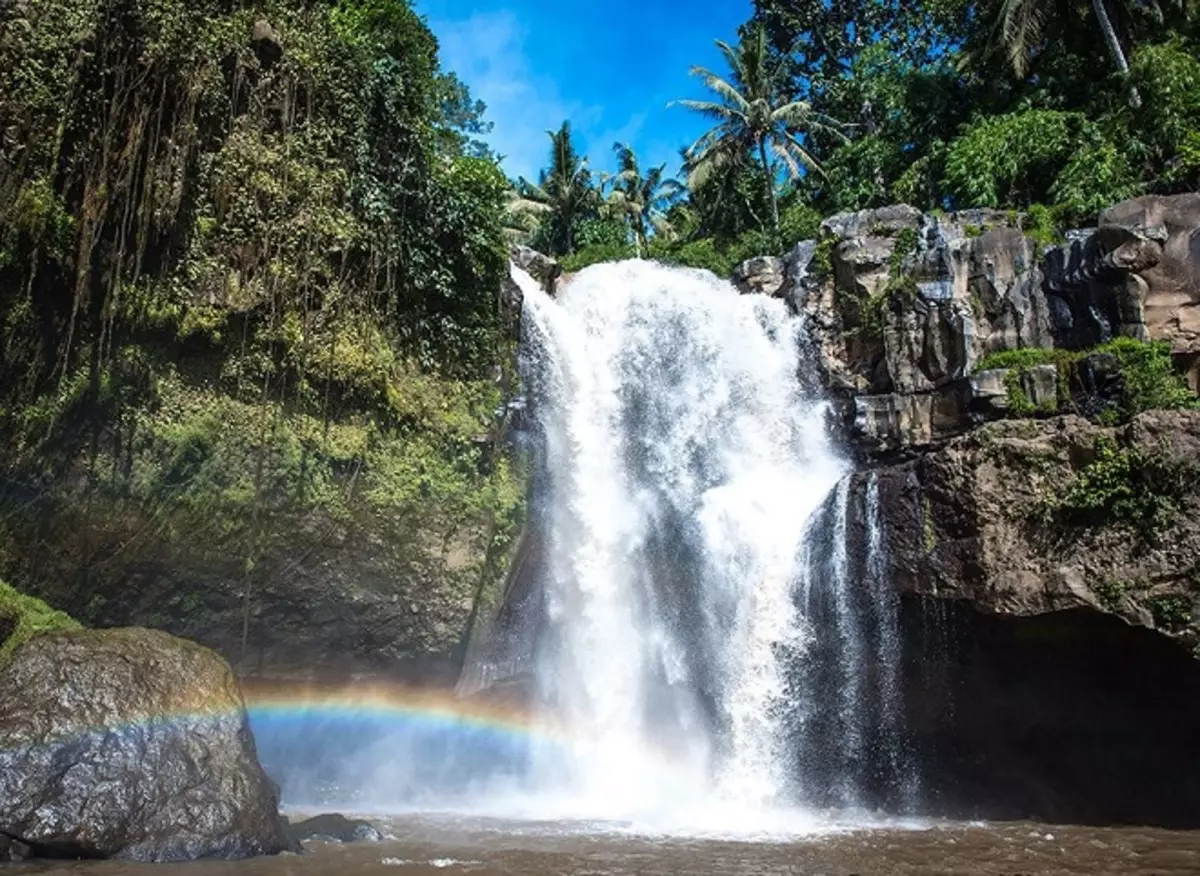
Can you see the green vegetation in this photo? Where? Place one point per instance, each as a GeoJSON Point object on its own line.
{"type": "Point", "coordinates": [1110, 593]}
{"type": "Point", "coordinates": [1172, 613]}
{"type": "Point", "coordinates": [961, 103]}
{"type": "Point", "coordinates": [249, 262]}
{"type": "Point", "coordinates": [1126, 487]}
{"type": "Point", "coordinates": [942, 104]}
{"type": "Point", "coordinates": [755, 114]}
{"type": "Point", "coordinates": [23, 617]}
{"type": "Point", "coordinates": [1150, 380]}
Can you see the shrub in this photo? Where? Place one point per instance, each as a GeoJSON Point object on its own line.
{"type": "Point", "coordinates": [595, 254]}
{"type": "Point", "coordinates": [1151, 381]}
{"type": "Point", "coordinates": [1010, 160]}
{"type": "Point", "coordinates": [1147, 369]}
{"type": "Point", "coordinates": [1130, 487]}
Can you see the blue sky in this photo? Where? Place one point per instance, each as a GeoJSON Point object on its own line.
{"type": "Point", "coordinates": [609, 67]}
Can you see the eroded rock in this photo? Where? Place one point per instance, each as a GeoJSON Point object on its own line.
{"type": "Point", "coordinates": [974, 521]}
{"type": "Point", "coordinates": [130, 744]}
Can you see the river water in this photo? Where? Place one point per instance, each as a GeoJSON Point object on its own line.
{"type": "Point", "coordinates": [444, 845]}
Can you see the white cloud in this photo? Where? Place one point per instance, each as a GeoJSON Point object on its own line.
{"type": "Point", "coordinates": [488, 52]}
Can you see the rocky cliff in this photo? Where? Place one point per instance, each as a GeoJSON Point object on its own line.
{"type": "Point", "coordinates": [904, 308]}
{"type": "Point", "coordinates": [1024, 409]}
{"type": "Point", "coordinates": [1003, 392]}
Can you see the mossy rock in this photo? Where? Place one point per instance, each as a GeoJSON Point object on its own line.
{"type": "Point", "coordinates": [23, 617]}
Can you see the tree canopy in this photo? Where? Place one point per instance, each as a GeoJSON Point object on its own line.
{"type": "Point", "coordinates": [1066, 105]}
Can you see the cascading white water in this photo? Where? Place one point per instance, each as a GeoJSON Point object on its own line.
{"type": "Point", "coordinates": [683, 461]}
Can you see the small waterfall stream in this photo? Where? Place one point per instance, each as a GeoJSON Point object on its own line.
{"type": "Point", "coordinates": [848, 713]}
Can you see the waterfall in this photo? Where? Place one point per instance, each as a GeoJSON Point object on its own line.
{"type": "Point", "coordinates": [848, 716]}
{"type": "Point", "coordinates": [698, 632]}
{"type": "Point", "coordinates": [682, 460]}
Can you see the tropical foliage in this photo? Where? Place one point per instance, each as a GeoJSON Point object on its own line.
{"type": "Point", "coordinates": [249, 261]}
{"type": "Point", "coordinates": [943, 104]}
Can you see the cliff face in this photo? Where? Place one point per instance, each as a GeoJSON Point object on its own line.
{"type": "Point", "coordinates": [253, 369]}
{"type": "Point", "coordinates": [1028, 517]}
{"type": "Point", "coordinates": [1024, 410]}
{"type": "Point", "coordinates": [905, 307]}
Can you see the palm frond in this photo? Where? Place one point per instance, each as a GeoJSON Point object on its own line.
{"type": "Point", "coordinates": [723, 88]}
{"type": "Point", "coordinates": [717, 111]}
{"type": "Point", "coordinates": [1020, 25]}
{"type": "Point", "coordinates": [795, 155]}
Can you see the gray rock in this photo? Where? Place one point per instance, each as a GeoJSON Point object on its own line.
{"type": "Point", "coordinates": [764, 275]}
{"type": "Point", "coordinates": [1136, 275]}
{"type": "Point", "coordinates": [332, 827]}
{"type": "Point", "coordinates": [130, 744]}
{"type": "Point", "coordinates": [880, 222]}
{"type": "Point", "coordinates": [267, 44]}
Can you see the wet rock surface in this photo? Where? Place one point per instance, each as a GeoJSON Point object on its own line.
{"type": "Point", "coordinates": [332, 827]}
{"type": "Point", "coordinates": [129, 744]}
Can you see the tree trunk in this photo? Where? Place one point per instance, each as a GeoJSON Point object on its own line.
{"type": "Point", "coordinates": [1114, 49]}
{"type": "Point", "coordinates": [762, 154]}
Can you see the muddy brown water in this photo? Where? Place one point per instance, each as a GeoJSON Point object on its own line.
{"type": "Point", "coordinates": [447, 845]}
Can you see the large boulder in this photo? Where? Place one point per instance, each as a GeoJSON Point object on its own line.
{"type": "Point", "coordinates": [130, 744]}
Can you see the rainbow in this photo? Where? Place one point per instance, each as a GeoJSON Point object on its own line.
{"type": "Point", "coordinates": [391, 704]}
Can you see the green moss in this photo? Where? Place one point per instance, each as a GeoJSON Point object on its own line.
{"type": "Point", "coordinates": [1151, 381]}
{"type": "Point", "coordinates": [1110, 593]}
{"type": "Point", "coordinates": [29, 617]}
{"type": "Point", "coordinates": [973, 231]}
{"type": "Point", "coordinates": [1023, 358]}
{"type": "Point", "coordinates": [1041, 225]}
{"type": "Point", "coordinates": [906, 245]}
{"type": "Point", "coordinates": [1018, 402]}
{"type": "Point", "coordinates": [1147, 369]}
{"type": "Point", "coordinates": [822, 262]}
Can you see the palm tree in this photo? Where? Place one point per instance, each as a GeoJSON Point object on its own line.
{"type": "Point", "coordinates": [644, 200]}
{"type": "Point", "coordinates": [754, 112]}
{"type": "Point", "coordinates": [563, 193]}
{"type": "Point", "coordinates": [1021, 24]}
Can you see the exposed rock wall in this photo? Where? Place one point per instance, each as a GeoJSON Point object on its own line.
{"type": "Point", "coordinates": [903, 306]}
{"type": "Point", "coordinates": [979, 521]}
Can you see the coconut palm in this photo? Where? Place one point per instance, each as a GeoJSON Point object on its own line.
{"type": "Point", "coordinates": [754, 111]}
{"type": "Point", "coordinates": [642, 200]}
{"type": "Point", "coordinates": [1021, 24]}
{"type": "Point", "coordinates": [563, 193]}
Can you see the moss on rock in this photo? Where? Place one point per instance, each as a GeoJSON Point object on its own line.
{"type": "Point", "coordinates": [22, 617]}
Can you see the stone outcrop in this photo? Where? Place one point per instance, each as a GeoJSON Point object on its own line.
{"type": "Point", "coordinates": [977, 520]}
{"type": "Point", "coordinates": [903, 306]}
{"type": "Point", "coordinates": [129, 744]}
{"type": "Point", "coordinates": [1049, 633]}
{"type": "Point", "coordinates": [334, 828]}
{"type": "Point", "coordinates": [1136, 274]}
